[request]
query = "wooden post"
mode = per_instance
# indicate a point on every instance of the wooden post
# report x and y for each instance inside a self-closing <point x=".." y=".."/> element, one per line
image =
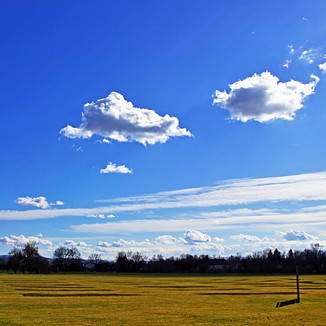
<point x="298" y="288"/>
<point x="297" y="300"/>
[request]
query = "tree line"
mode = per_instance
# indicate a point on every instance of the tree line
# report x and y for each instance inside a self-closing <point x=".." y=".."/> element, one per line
<point x="28" y="260"/>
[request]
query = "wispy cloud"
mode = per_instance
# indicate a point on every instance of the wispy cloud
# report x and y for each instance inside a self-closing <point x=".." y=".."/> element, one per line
<point x="114" y="118"/>
<point x="310" y="56"/>
<point x="210" y="221"/>
<point x="304" y="187"/>
<point x="262" y="97"/>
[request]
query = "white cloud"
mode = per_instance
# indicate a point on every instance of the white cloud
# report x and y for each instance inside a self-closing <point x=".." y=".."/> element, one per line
<point x="21" y="240"/>
<point x="310" y="55"/>
<point x="166" y="240"/>
<point x="262" y="97"/>
<point x="204" y="247"/>
<point x="291" y="47"/>
<point x="286" y="64"/>
<point x="102" y="216"/>
<point x="322" y="67"/>
<point x="39" y="202"/>
<point x="117" y="119"/>
<point x="113" y="168"/>
<point x="304" y="187"/>
<point x="104" y="244"/>
<point x="245" y="237"/>
<point x="77" y="244"/>
<point x="194" y="236"/>
<point x="294" y="235"/>
<point x="122" y="243"/>
<point x="130" y="243"/>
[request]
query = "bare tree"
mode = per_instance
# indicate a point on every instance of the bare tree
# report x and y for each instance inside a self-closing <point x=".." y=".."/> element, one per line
<point x="95" y="258"/>
<point x="63" y="257"/>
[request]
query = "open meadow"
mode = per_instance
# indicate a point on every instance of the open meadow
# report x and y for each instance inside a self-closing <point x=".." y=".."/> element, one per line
<point x="93" y="299"/>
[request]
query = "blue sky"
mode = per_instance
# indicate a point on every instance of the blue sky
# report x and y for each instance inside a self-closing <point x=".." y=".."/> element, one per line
<point x="163" y="127"/>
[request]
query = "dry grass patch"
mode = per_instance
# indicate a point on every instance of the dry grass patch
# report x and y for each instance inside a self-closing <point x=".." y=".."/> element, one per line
<point x="92" y="299"/>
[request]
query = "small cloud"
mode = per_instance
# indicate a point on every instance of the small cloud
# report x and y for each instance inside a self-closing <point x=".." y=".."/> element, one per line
<point x="322" y="67"/>
<point x="113" y="168"/>
<point x="116" y="119"/>
<point x="310" y="55"/>
<point x="79" y="244"/>
<point x="291" y="47"/>
<point x="263" y="98"/>
<point x="294" y="235"/>
<point x="103" y="244"/>
<point x="286" y="64"/>
<point x="131" y="243"/>
<point x="39" y="202"/>
<point x="166" y="240"/>
<point x="194" y="236"/>
<point x="305" y="18"/>
<point x="77" y="149"/>
<point x="245" y="238"/>
<point x="100" y="216"/>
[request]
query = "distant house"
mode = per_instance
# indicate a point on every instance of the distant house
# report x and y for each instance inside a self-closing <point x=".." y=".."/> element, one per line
<point x="215" y="268"/>
<point x="89" y="267"/>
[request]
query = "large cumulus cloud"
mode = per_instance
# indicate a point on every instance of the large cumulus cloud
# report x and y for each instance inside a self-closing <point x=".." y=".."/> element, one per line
<point x="262" y="97"/>
<point x="115" y="118"/>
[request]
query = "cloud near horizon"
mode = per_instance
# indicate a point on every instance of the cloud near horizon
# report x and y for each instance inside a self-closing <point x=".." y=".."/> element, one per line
<point x="262" y="97"/>
<point x="21" y="240"/>
<point x="295" y="235"/>
<point x="114" y="118"/>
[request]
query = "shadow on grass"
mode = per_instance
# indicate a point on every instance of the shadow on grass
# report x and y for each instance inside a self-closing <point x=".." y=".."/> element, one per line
<point x="245" y="293"/>
<point x="48" y="295"/>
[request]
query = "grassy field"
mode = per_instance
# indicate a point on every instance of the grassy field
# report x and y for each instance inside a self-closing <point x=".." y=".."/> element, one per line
<point x="91" y="299"/>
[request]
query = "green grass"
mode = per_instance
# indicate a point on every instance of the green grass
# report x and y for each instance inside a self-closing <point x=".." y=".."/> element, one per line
<point x="92" y="299"/>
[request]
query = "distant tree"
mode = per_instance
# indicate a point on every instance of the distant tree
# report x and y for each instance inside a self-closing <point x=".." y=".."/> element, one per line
<point x="122" y="263"/>
<point x="65" y="257"/>
<point x="95" y="258"/>
<point x="16" y="260"/>
<point x="32" y="258"/>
